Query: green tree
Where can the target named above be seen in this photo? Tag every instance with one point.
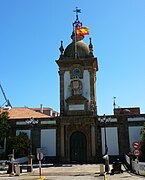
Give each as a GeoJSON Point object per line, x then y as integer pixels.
{"type": "Point", "coordinates": [20, 144]}
{"type": "Point", "coordinates": [142, 147]}
{"type": "Point", "coordinates": [3, 125]}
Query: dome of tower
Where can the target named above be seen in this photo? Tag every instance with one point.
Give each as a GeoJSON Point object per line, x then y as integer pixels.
{"type": "Point", "coordinates": [77, 48]}
{"type": "Point", "coordinates": [82, 49]}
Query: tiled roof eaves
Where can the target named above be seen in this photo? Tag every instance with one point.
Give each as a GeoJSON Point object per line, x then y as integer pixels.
{"type": "Point", "coordinates": [25, 113]}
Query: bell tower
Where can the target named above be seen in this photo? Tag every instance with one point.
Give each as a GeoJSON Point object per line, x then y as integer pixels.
{"type": "Point", "coordinates": [78, 135]}
{"type": "Point", "coordinates": [77, 71]}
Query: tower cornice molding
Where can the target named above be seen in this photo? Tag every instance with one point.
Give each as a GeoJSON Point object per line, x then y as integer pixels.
{"type": "Point", "coordinates": [86, 62]}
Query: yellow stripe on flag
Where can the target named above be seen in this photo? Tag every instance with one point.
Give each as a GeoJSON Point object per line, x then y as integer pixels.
{"type": "Point", "coordinates": [82, 31]}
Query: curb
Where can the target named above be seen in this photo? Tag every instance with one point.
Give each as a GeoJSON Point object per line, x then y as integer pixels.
{"type": "Point", "coordinates": [41, 178]}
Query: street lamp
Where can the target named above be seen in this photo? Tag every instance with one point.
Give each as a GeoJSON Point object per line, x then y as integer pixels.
{"type": "Point", "coordinates": [106, 156]}
{"type": "Point", "coordinates": [31, 122]}
{"type": "Point", "coordinates": [105, 137]}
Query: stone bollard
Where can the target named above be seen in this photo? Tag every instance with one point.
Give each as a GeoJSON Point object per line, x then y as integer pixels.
{"type": "Point", "coordinates": [30, 165]}
{"type": "Point", "coordinates": [101, 169]}
{"type": "Point", "coordinates": [17, 170]}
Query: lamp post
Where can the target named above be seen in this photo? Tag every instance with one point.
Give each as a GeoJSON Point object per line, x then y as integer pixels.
{"type": "Point", "coordinates": [31, 122]}
{"type": "Point", "coordinates": [105, 137]}
{"type": "Point", "coordinates": [106, 156]}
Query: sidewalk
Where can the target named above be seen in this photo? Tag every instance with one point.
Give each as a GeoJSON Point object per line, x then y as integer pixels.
{"type": "Point", "coordinates": [70, 172]}
{"type": "Point", "coordinates": [70, 169]}
{"type": "Point", "coordinates": [57, 170]}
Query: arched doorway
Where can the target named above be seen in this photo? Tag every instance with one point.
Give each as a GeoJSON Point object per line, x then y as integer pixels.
{"type": "Point", "coordinates": [78, 147]}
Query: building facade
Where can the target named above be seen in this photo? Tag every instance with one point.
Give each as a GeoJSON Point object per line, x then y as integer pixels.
{"type": "Point", "coordinates": [78, 134]}
{"type": "Point", "coordinates": [84, 136]}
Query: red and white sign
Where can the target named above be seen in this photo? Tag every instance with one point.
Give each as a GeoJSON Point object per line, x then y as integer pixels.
{"type": "Point", "coordinates": [40, 156]}
{"type": "Point", "coordinates": [136, 152]}
{"type": "Point", "coordinates": [136, 145]}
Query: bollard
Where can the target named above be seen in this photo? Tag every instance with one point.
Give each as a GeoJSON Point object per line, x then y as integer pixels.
{"type": "Point", "coordinates": [101, 169]}
{"type": "Point", "coordinates": [106, 157]}
{"type": "Point", "coordinates": [29, 168]}
{"type": "Point", "coordinates": [17, 169]}
{"type": "Point", "coordinates": [30, 165]}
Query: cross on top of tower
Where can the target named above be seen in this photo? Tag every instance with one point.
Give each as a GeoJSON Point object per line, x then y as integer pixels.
{"type": "Point", "coordinates": [77, 23]}
{"type": "Point", "coordinates": [77, 11]}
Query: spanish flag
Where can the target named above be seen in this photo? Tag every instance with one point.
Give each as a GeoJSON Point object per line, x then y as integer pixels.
{"type": "Point", "coordinates": [81, 31]}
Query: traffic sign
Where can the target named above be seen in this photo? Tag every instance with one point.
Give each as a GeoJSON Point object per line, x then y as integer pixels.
{"type": "Point", "coordinates": [40, 156]}
{"type": "Point", "coordinates": [136, 152]}
{"type": "Point", "coordinates": [136, 145]}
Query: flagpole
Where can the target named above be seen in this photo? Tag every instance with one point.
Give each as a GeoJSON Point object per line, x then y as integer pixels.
{"type": "Point", "coordinates": [75, 41]}
{"type": "Point", "coordinates": [75, 25]}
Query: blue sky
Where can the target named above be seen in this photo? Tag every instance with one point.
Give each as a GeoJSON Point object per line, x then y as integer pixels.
{"type": "Point", "coordinates": [30, 35]}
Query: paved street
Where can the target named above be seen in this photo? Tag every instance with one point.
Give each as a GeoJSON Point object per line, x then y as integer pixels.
{"type": "Point", "coordinates": [72, 172]}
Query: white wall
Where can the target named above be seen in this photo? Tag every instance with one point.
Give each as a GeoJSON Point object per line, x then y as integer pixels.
{"type": "Point", "coordinates": [112, 140]}
{"type": "Point", "coordinates": [48, 141]}
{"type": "Point", "coordinates": [138, 167]}
{"type": "Point", "coordinates": [134, 134]}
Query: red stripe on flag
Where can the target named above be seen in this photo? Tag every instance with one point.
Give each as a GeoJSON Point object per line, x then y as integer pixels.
{"type": "Point", "coordinates": [82, 31]}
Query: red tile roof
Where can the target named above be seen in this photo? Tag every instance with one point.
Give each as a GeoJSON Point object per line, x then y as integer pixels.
{"type": "Point", "coordinates": [24, 113]}
{"type": "Point", "coordinates": [44, 108]}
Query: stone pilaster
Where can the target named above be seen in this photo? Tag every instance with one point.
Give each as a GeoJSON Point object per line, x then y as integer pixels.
{"type": "Point", "coordinates": [61, 74]}
{"type": "Point", "coordinates": [62, 141]}
{"type": "Point", "coordinates": [93, 140]}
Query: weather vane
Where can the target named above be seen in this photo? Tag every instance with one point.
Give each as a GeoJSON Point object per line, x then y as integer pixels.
{"type": "Point", "coordinates": [78, 30]}
{"type": "Point", "coordinates": [77, 11]}
{"type": "Point", "coordinates": [77, 22]}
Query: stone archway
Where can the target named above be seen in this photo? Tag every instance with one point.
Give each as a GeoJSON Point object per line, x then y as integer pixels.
{"type": "Point", "coordinates": [78, 147]}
